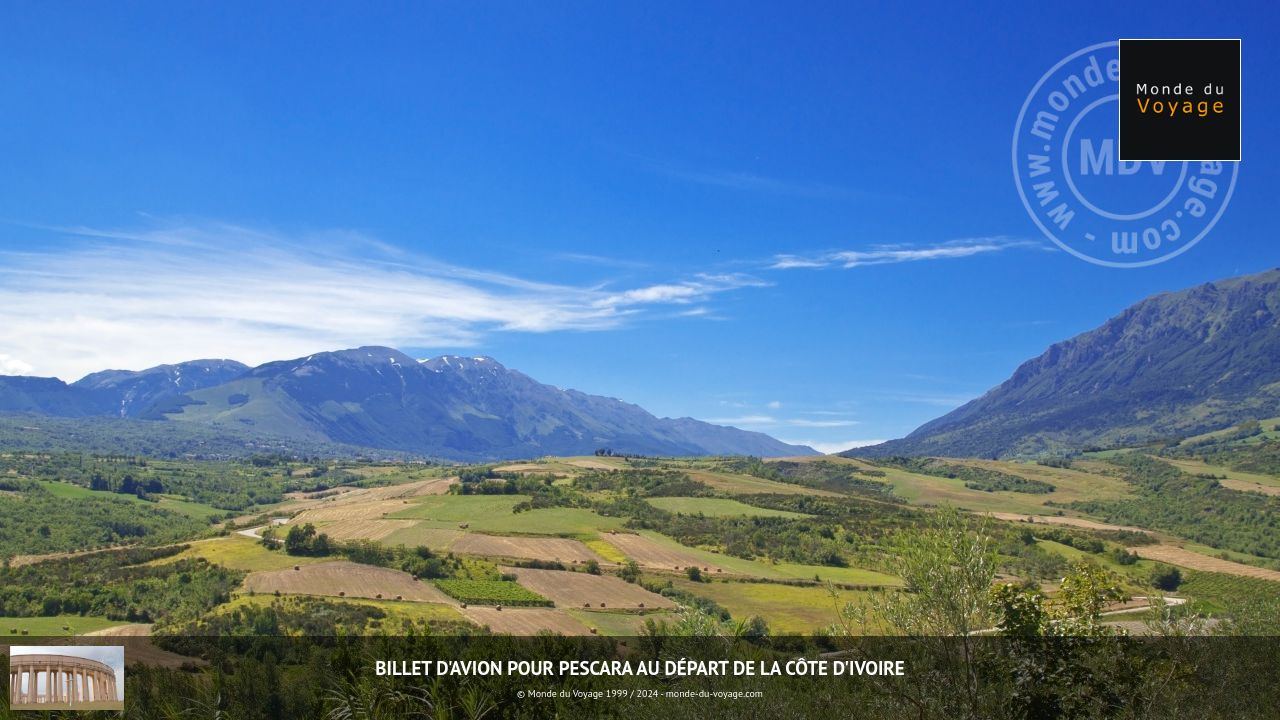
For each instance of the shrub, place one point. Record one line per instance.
(1166, 577)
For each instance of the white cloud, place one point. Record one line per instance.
(136, 299)
(698, 312)
(682, 293)
(13, 366)
(892, 254)
(774, 405)
(791, 262)
(589, 259)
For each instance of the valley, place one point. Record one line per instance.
(587, 544)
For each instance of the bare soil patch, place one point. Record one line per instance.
(379, 529)
(1194, 560)
(334, 511)
(1247, 486)
(652, 554)
(532, 548)
(593, 464)
(1060, 520)
(368, 503)
(525, 621)
(582, 590)
(341, 578)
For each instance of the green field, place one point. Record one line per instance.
(1220, 592)
(492, 592)
(618, 624)
(493, 514)
(1268, 432)
(238, 552)
(605, 550)
(395, 609)
(735, 483)
(425, 533)
(1239, 557)
(164, 502)
(1243, 480)
(1069, 485)
(782, 570)
(53, 626)
(716, 507)
(192, 509)
(1136, 574)
(789, 610)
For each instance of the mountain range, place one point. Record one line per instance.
(1172, 365)
(456, 408)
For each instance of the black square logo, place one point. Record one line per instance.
(1179, 99)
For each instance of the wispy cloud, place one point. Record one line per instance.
(697, 289)
(601, 260)
(13, 366)
(892, 254)
(698, 312)
(131, 299)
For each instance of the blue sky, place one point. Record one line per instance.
(610, 197)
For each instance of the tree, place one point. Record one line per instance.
(1056, 647)
(948, 567)
(1086, 591)
(1166, 577)
(1021, 611)
(295, 541)
(321, 545)
(630, 571)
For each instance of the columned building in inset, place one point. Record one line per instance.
(60, 680)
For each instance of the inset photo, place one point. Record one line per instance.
(63, 677)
